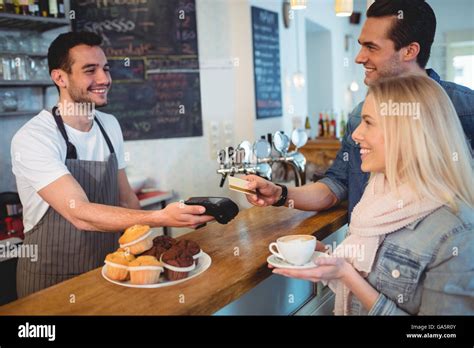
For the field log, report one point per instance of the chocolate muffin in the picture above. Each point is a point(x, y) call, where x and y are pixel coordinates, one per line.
point(165, 241)
point(191, 247)
point(160, 245)
point(178, 262)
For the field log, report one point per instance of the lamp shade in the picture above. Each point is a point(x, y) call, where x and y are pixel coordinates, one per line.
point(344, 8)
point(298, 4)
point(299, 80)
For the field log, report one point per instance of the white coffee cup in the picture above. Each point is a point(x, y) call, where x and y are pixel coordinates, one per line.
point(296, 249)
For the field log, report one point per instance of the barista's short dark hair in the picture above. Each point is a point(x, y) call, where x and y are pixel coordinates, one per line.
point(414, 21)
point(58, 52)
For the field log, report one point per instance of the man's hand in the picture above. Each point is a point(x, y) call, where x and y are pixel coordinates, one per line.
point(182, 215)
point(267, 192)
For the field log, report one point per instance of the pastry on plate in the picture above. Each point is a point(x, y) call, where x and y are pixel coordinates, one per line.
point(192, 248)
point(137, 239)
point(145, 270)
point(117, 265)
point(177, 263)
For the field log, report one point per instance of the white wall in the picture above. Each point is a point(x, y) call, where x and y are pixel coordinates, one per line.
point(452, 15)
point(319, 73)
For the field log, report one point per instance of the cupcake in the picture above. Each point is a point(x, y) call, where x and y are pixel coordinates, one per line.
point(192, 248)
point(165, 241)
point(117, 265)
point(178, 263)
point(160, 245)
point(136, 239)
point(145, 270)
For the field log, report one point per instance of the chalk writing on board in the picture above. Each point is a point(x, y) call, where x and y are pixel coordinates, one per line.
point(152, 49)
point(266, 59)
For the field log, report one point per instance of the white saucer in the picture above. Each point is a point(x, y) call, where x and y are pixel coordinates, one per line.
point(275, 261)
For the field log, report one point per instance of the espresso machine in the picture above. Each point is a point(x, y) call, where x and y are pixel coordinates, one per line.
point(257, 158)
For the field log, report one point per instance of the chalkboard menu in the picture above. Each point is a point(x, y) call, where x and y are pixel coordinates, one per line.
point(152, 50)
point(266, 62)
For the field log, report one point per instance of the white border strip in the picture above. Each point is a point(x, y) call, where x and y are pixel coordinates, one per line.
point(198, 255)
point(116, 265)
point(145, 236)
point(178, 269)
point(145, 268)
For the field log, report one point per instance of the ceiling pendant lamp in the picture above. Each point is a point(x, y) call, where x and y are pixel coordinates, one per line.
point(344, 8)
point(298, 4)
point(299, 80)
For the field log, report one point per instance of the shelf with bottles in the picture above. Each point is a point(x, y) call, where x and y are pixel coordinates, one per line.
point(23, 52)
point(38, 15)
point(24, 22)
point(327, 126)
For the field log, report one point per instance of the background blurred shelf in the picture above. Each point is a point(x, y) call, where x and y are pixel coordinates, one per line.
point(14, 21)
point(18, 83)
point(28, 113)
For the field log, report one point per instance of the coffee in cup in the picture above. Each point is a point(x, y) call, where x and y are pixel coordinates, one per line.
point(295, 249)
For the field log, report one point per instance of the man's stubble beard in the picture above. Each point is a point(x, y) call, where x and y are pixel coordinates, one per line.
point(392, 69)
point(78, 97)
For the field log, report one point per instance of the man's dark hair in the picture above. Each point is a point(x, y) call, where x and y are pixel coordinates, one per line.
point(414, 21)
point(58, 52)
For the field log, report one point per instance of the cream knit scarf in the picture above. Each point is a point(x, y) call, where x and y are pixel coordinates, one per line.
point(378, 213)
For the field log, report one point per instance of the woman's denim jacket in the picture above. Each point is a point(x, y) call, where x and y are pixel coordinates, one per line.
point(426, 268)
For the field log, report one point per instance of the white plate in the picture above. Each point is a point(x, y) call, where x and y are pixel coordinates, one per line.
point(279, 263)
point(204, 263)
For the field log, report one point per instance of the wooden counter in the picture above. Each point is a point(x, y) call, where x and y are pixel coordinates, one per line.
point(228, 278)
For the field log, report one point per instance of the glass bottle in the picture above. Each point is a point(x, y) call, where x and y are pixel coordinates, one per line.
point(307, 127)
point(53, 8)
point(342, 125)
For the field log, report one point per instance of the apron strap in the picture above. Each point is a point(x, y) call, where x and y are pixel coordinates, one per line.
point(71, 149)
point(106, 137)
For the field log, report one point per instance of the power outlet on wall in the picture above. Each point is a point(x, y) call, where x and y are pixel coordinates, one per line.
point(228, 133)
point(214, 139)
point(221, 135)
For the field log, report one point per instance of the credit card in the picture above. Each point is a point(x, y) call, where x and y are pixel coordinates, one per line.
point(240, 185)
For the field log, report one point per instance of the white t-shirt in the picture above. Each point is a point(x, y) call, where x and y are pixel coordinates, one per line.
point(38, 153)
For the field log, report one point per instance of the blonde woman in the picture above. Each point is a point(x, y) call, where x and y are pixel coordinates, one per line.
point(414, 226)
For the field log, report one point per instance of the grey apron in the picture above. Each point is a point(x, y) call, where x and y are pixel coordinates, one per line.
point(63, 250)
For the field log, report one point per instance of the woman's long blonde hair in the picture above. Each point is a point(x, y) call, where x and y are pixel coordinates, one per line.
point(425, 145)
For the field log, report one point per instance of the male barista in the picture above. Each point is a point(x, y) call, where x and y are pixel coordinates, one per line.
point(70, 173)
point(396, 38)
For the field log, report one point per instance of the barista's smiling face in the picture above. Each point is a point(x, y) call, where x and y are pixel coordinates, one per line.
point(89, 80)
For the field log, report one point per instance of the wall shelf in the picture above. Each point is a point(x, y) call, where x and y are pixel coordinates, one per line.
point(29, 54)
point(18, 83)
point(28, 113)
point(25, 22)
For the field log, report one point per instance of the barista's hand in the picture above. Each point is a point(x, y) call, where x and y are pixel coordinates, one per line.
point(267, 192)
point(182, 215)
